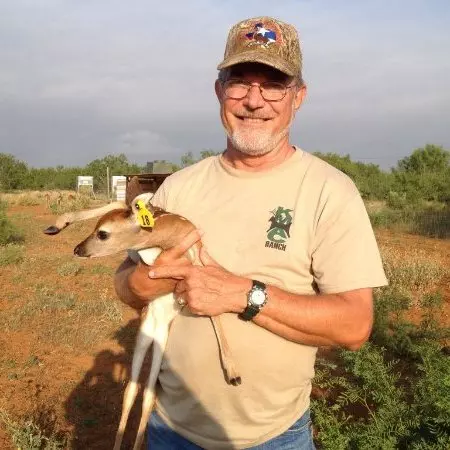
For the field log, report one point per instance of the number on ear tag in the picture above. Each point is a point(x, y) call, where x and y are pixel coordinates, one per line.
point(145, 217)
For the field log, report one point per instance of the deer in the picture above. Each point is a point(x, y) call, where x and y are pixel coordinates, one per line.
point(118, 229)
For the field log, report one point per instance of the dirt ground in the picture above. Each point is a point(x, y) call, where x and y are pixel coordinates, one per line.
point(65, 364)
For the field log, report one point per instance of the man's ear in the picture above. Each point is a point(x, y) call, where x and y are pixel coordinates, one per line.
point(300, 96)
point(218, 89)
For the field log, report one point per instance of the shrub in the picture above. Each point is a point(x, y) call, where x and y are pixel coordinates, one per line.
point(9, 233)
point(69, 269)
point(27, 435)
point(395, 392)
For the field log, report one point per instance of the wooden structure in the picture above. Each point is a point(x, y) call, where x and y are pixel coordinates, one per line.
point(150, 182)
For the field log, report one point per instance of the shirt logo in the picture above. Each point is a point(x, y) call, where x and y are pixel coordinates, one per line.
point(261, 36)
point(279, 228)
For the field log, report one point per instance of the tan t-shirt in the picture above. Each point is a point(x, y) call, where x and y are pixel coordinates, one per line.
point(302, 227)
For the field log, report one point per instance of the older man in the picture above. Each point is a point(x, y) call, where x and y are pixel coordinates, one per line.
point(290, 264)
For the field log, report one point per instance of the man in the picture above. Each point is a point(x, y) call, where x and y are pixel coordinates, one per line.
point(290, 263)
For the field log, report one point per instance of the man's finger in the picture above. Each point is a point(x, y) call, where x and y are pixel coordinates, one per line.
point(180, 288)
point(185, 244)
point(177, 272)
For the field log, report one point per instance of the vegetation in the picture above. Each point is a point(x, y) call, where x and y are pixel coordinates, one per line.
point(9, 233)
point(28, 435)
point(392, 394)
point(395, 392)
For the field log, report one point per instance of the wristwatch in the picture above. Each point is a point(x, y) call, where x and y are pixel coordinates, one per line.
point(256, 299)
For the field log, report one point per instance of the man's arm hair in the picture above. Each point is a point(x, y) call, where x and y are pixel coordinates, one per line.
point(343, 319)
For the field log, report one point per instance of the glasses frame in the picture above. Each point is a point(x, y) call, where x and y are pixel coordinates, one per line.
point(259, 85)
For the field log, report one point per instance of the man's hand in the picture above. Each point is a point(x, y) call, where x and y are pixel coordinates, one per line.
point(207, 290)
point(144, 288)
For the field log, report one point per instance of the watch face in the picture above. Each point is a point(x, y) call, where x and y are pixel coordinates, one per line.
point(258, 297)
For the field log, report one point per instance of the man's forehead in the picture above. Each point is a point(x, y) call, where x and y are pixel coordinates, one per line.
point(249, 69)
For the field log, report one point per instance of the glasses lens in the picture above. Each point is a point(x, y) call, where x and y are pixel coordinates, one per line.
point(236, 89)
point(273, 91)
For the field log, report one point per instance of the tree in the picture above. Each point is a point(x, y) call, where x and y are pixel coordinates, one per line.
point(187, 159)
point(118, 165)
point(13, 173)
point(370, 180)
point(207, 153)
point(431, 158)
point(425, 174)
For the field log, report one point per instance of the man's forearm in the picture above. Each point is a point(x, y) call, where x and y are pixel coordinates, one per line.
point(135, 288)
point(122, 287)
point(320, 320)
point(291, 334)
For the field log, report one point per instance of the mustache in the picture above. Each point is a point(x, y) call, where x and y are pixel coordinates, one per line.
point(247, 115)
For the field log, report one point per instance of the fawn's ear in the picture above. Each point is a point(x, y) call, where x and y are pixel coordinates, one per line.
point(145, 197)
point(134, 189)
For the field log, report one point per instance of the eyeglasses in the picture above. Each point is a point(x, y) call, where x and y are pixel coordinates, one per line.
point(271, 91)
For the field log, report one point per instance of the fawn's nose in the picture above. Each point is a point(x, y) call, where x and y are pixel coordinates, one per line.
point(79, 251)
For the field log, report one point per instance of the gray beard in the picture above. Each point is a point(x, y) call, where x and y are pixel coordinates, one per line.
point(256, 143)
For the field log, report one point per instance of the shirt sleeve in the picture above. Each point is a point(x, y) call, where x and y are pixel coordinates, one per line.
point(345, 254)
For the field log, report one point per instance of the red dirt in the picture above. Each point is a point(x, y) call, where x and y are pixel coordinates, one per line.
point(77, 392)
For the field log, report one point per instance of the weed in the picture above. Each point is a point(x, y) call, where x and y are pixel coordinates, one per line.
point(32, 361)
point(394, 392)
point(47, 299)
point(414, 274)
point(27, 435)
point(99, 269)
point(105, 310)
point(9, 233)
point(11, 254)
point(68, 205)
point(69, 269)
point(401, 215)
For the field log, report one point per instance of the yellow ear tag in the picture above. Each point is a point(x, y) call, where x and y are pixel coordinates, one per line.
point(145, 217)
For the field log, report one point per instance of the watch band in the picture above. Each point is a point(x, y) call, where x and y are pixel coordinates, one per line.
point(259, 285)
point(251, 310)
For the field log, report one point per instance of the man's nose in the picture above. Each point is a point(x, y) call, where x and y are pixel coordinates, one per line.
point(254, 99)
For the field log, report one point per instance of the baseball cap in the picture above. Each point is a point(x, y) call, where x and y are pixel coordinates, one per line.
point(264, 40)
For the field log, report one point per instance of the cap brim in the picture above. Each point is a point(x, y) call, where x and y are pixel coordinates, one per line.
point(258, 57)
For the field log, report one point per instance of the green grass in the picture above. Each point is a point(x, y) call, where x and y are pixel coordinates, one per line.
point(70, 268)
point(425, 221)
point(9, 233)
point(100, 269)
point(76, 323)
point(11, 254)
point(69, 205)
point(412, 275)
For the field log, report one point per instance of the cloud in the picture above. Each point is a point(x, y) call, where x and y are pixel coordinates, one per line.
point(79, 80)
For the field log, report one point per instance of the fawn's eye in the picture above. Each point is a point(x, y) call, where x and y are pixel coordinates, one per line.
point(102, 235)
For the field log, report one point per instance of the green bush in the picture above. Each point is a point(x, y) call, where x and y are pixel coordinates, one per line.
point(28, 435)
point(395, 392)
point(9, 233)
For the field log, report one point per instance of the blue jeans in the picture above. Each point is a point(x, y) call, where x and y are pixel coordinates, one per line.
point(298, 437)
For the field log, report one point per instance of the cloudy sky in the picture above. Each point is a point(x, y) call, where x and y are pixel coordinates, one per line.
point(80, 79)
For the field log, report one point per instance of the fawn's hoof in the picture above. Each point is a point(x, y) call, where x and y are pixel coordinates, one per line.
point(52, 230)
point(235, 381)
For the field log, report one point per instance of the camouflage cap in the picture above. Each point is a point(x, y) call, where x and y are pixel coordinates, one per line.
point(264, 40)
